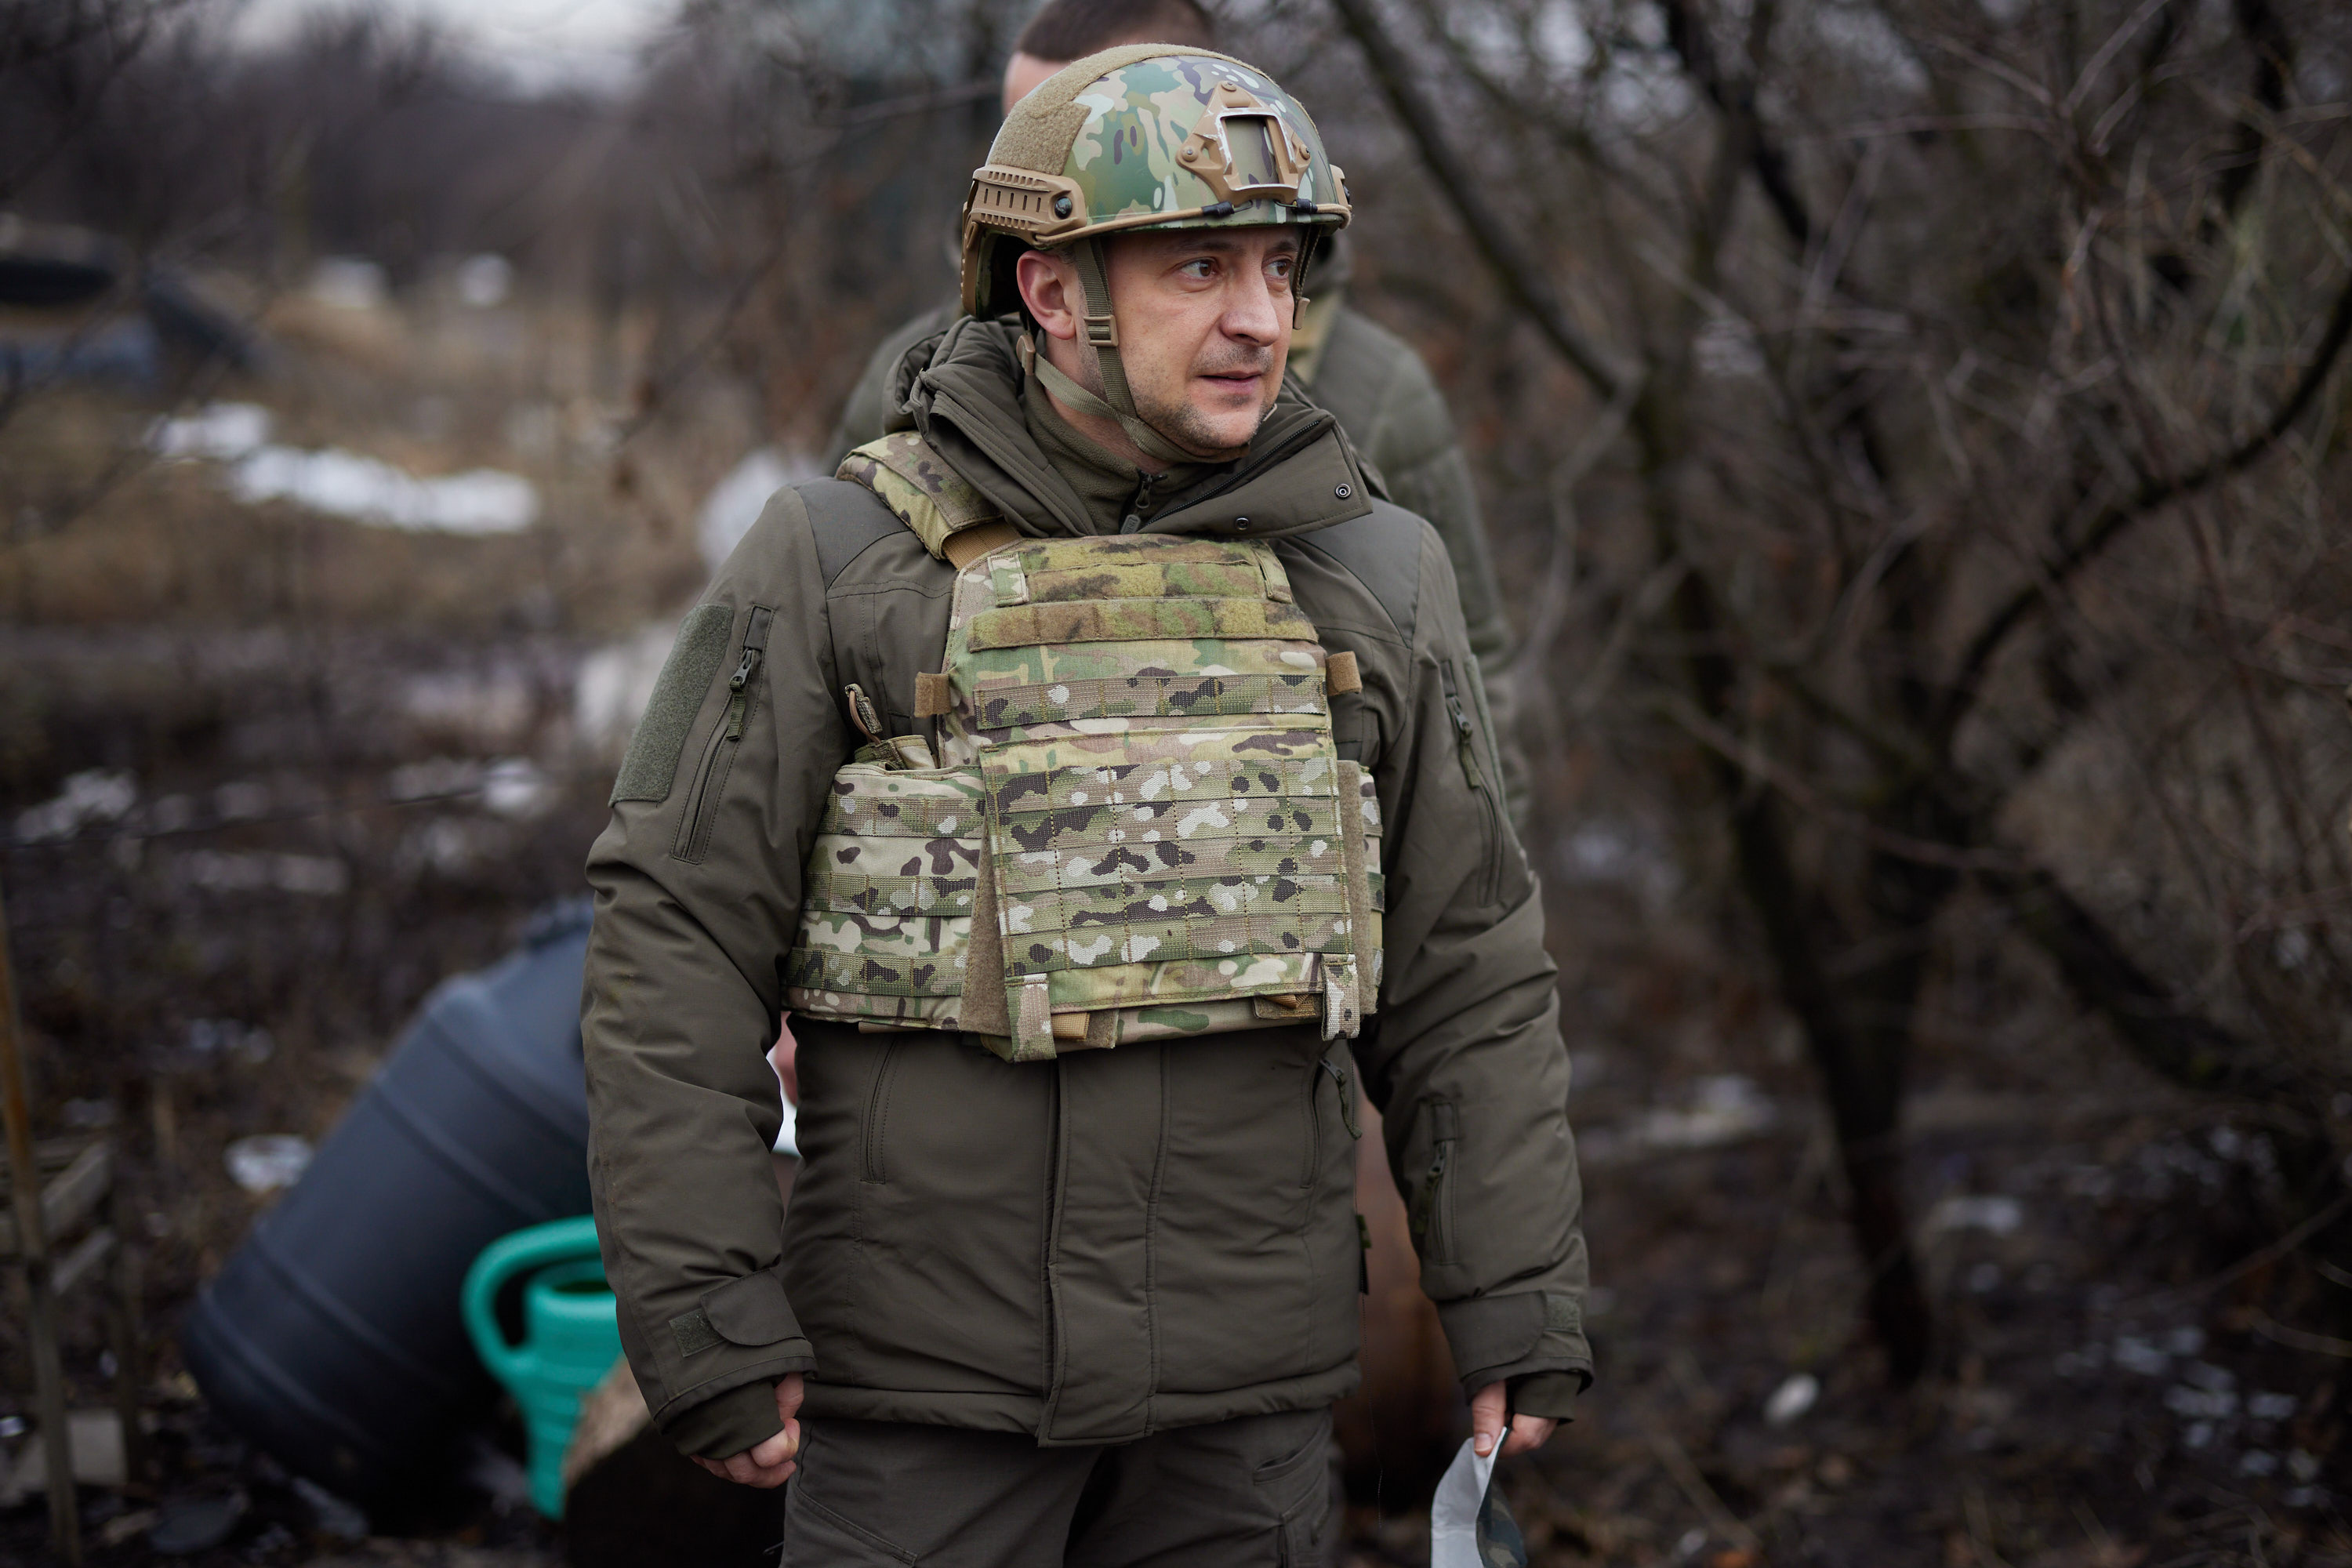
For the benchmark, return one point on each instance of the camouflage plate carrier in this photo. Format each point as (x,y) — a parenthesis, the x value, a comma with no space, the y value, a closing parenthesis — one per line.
(1130,820)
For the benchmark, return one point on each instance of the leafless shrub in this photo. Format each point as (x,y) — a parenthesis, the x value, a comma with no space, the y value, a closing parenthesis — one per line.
(1929,410)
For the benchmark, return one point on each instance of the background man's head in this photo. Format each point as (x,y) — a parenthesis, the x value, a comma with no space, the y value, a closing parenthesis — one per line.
(1067,30)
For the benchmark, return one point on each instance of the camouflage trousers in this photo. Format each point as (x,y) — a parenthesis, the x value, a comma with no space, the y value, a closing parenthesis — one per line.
(1257,1491)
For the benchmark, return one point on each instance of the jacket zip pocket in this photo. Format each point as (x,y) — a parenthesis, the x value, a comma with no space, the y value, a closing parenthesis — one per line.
(718,755)
(1314,1126)
(1325,1067)
(1346,1082)
(1432,1209)
(1466,743)
(878,1113)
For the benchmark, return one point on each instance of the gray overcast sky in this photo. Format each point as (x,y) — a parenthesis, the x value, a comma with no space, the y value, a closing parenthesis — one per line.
(543,42)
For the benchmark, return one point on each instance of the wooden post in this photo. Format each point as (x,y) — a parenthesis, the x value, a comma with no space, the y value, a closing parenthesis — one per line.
(123,1327)
(33,1241)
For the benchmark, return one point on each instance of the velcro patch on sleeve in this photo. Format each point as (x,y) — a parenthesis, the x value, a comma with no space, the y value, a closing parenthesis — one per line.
(1340,674)
(651,765)
(694,1331)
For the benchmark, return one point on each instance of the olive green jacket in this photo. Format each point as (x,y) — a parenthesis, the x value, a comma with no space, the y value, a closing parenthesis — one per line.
(1114,1242)
(1383,397)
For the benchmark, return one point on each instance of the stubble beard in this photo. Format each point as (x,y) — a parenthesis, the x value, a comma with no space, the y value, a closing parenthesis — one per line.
(1176,417)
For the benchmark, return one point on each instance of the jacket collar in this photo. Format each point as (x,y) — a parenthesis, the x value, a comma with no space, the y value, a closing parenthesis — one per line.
(962,393)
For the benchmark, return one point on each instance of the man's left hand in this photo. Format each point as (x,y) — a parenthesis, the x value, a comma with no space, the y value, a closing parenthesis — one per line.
(1527,1432)
(770,1463)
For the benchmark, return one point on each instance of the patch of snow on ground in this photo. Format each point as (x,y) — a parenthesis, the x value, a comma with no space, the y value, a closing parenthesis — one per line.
(2000,1216)
(349,284)
(735,502)
(1795,1395)
(226,872)
(345,484)
(1725,1109)
(268,1161)
(614,684)
(98,794)
(221,431)
(485,280)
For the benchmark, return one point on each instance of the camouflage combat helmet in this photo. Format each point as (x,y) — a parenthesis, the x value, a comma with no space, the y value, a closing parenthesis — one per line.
(1143,136)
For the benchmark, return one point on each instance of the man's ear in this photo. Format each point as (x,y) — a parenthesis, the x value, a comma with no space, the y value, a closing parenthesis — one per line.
(1049,288)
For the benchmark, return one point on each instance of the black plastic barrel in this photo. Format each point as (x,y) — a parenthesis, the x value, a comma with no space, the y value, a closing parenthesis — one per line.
(332,1338)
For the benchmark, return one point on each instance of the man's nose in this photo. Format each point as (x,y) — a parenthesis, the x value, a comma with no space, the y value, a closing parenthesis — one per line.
(1251,313)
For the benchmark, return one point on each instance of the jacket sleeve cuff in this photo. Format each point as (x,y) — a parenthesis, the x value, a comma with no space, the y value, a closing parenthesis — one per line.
(727,1423)
(741,1337)
(1517,1336)
(1551,1395)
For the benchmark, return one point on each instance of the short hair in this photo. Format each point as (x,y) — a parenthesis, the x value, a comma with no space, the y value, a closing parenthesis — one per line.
(1073,30)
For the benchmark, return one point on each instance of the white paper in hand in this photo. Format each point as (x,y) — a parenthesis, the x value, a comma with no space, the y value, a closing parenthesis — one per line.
(1454,1512)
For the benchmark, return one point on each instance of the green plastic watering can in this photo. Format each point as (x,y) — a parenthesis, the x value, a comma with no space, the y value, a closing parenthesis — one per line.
(571,1336)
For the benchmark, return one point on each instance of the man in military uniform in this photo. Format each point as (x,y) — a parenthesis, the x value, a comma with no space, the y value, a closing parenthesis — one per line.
(1371,380)
(1097,771)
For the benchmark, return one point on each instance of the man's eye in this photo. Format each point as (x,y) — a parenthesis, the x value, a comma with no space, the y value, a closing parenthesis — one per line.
(1200,268)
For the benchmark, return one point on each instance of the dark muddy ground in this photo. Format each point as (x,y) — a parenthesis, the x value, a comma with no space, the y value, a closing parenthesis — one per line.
(241,847)
(193,971)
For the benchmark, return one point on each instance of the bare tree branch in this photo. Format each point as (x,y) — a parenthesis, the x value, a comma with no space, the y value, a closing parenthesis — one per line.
(1460,185)
(2190,1049)
(2152,494)
(1687,34)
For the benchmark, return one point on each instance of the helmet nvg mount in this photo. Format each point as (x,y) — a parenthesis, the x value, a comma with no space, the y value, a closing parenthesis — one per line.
(1145,136)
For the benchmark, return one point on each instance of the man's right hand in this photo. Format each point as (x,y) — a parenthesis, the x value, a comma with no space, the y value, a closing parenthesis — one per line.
(768,1463)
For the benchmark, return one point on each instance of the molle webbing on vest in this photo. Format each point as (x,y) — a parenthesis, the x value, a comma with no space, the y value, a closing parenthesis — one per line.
(1142,827)
(1152,859)
(891,885)
(928,496)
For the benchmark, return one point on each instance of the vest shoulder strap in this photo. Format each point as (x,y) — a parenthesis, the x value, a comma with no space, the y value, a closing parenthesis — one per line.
(953,520)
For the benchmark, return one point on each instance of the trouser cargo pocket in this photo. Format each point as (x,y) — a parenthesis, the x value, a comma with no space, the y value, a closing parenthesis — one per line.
(1297,1487)
(816,1537)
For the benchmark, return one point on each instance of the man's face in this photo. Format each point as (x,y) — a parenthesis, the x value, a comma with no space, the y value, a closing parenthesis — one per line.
(1205,328)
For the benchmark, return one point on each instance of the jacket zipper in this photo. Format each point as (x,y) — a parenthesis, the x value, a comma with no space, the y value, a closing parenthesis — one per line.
(1433,1216)
(1466,740)
(719,757)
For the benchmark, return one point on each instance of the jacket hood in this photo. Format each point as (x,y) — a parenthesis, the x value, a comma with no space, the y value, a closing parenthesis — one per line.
(961,391)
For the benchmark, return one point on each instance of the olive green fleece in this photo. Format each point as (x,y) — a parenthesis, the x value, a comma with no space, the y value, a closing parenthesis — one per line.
(1106,483)
(1116,1242)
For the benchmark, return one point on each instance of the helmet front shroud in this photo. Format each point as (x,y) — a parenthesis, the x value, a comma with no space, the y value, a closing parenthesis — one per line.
(1145,136)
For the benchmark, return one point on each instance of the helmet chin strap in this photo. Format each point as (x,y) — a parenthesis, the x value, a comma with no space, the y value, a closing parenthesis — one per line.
(1099,335)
